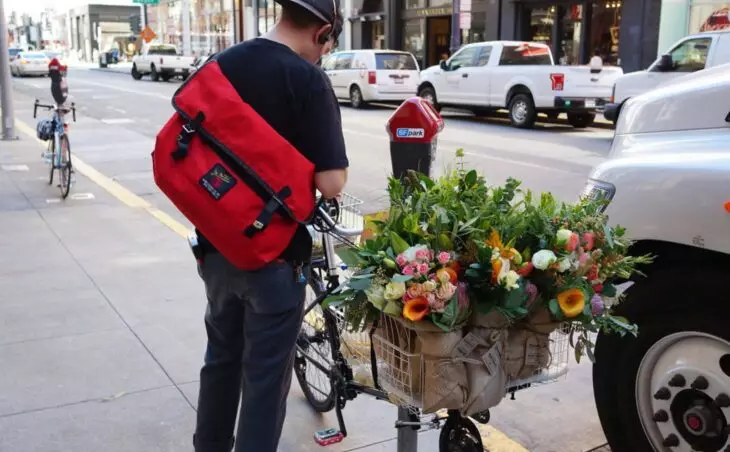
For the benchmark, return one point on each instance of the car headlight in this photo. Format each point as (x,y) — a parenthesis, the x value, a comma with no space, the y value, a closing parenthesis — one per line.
(596,190)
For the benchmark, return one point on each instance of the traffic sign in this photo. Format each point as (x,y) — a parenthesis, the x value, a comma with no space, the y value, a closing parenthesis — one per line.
(147,2)
(147,34)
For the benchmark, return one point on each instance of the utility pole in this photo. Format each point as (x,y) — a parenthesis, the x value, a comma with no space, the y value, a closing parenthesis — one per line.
(6,99)
(144,14)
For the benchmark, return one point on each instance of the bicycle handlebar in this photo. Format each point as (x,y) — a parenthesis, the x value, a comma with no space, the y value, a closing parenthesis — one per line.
(37,104)
(338,229)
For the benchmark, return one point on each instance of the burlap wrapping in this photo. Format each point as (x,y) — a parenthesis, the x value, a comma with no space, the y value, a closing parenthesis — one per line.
(528,345)
(420,363)
(487,379)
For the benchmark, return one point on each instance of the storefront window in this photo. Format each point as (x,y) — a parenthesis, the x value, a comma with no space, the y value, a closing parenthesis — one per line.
(212,26)
(477,31)
(413,39)
(415,4)
(435,3)
(541,25)
(269,12)
(378,34)
(605,25)
(571,17)
(709,16)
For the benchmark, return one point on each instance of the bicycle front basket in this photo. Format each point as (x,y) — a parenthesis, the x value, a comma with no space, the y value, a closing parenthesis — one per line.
(44,129)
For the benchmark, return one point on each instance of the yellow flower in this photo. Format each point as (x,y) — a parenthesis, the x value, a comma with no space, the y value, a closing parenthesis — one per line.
(429,286)
(572,302)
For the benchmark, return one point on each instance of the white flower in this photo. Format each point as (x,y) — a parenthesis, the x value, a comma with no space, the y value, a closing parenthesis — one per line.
(564,264)
(543,259)
(394,290)
(562,236)
(495,254)
(410,253)
(510,280)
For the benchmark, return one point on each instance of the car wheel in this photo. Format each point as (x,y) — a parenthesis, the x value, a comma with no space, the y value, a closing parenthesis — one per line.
(356,98)
(669,387)
(135,73)
(429,94)
(581,120)
(165,77)
(154,74)
(522,113)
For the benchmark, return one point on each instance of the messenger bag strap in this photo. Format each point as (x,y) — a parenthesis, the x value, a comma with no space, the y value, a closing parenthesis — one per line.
(186,136)
(274,204)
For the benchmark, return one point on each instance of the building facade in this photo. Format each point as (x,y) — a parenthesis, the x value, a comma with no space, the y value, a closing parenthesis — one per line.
(96,28)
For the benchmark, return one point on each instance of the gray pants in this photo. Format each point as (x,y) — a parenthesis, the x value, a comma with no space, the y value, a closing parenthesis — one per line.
(252,321)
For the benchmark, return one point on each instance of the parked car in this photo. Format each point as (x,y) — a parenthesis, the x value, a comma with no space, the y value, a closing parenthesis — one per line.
(364,76)
(521,77)
(689,54)
(199,62)
(666,181)
(161,61)
(30,63)
(13,52)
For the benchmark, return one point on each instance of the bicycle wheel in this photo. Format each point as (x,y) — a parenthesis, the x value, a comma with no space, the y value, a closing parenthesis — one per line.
(52,164)
(316,344)
(66,168)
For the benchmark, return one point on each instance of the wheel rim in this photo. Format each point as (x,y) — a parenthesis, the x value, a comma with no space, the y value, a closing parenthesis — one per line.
(429,97)
(683,394)
(355,97)
(65,169)
(519,111)
(313,338)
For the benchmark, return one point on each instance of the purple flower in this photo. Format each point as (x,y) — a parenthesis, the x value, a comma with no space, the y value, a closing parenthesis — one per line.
(597,305)
(531,291)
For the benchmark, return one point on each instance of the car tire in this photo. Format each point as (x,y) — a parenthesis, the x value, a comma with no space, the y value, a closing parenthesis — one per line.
(522,113)
(668,306)
(135,73)
(356,100)
(581,120)
(154,74)
(429,94)
(165,77)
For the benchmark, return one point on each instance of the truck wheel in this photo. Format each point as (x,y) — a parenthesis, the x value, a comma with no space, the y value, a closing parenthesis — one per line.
(668,388)
(165,77)
(135,73)
(430,95)
(154,74)
(581,120)
(522,113)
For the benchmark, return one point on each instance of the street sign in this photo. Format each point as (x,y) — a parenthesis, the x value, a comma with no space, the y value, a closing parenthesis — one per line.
(147,34)
(147,2)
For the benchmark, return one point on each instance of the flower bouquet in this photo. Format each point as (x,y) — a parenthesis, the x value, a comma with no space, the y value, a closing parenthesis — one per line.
(463,272)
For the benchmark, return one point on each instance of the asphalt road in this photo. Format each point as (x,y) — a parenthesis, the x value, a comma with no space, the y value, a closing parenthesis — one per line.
(119,119)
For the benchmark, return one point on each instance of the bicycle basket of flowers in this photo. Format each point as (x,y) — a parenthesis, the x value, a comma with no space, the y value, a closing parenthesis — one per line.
(472,289)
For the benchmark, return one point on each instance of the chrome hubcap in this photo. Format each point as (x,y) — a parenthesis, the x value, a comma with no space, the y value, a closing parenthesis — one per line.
(429,98)
(355,97)
(519,111)
(683,393)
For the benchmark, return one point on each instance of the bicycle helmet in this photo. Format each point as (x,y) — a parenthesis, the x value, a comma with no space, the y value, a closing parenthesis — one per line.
(326,10)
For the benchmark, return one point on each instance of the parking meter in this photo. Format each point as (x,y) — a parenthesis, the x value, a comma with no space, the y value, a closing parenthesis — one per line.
(59,88)
(413,130)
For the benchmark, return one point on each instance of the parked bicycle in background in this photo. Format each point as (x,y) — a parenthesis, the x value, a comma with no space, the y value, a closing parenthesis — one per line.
(54,130)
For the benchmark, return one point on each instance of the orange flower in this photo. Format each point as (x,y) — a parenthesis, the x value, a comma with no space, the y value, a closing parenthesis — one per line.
(572,302)
(416,309)
(495,241)
(496,268)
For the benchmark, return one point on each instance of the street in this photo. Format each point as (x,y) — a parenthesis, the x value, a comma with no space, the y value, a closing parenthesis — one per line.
(118,119)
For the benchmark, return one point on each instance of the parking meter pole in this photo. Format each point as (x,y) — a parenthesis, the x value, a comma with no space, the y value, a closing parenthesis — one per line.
(413,130)
(6,99)
(407,436)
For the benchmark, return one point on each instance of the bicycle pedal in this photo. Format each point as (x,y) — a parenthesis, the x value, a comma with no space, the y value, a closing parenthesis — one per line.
(328,437)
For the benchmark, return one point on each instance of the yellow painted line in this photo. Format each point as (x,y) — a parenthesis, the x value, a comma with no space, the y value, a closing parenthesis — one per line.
(113,187)
(493,439)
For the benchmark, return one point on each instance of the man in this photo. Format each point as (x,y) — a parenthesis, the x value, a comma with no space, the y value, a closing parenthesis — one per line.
(253,318)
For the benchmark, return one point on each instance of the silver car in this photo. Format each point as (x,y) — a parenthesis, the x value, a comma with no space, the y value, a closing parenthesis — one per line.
(30,63)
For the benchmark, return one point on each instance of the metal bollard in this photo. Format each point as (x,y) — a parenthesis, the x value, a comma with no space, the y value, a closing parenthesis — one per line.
(413,130)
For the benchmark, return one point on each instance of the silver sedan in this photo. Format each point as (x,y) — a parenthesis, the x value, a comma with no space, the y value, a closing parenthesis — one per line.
(30,63)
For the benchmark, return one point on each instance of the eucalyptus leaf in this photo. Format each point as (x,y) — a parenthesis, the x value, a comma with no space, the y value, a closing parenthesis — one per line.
(401,278)
(360,284)
(609,235)
(350,257)
(554,307)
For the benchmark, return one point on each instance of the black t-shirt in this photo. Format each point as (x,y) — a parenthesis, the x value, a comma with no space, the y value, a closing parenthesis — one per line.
(296,98)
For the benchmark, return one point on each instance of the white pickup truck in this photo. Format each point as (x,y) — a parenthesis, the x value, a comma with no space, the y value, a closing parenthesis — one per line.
(521,77)
(161,61)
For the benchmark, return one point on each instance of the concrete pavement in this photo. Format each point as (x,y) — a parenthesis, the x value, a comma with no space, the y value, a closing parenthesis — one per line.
(134,302)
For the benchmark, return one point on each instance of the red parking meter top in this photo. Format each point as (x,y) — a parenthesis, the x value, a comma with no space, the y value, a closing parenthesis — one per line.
(415,121)
(56,65)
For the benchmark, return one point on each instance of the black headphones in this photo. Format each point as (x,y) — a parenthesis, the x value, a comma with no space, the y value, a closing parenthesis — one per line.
(336,25)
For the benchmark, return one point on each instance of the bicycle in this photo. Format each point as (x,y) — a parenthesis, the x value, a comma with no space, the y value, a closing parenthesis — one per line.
(325,327)
(58,155)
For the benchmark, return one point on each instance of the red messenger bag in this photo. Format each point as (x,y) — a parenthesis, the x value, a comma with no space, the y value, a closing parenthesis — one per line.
(239,182)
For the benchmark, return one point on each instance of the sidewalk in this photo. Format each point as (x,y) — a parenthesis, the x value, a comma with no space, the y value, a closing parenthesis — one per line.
(101,330)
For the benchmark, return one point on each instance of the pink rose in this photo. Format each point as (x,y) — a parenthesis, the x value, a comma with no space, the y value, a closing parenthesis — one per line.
(408,270)
(583,259)
(588,240)
(414,291)
(446,291)
(436,304)
(423,255)
(444,258)
(572,242)
(401,260)
(423,269)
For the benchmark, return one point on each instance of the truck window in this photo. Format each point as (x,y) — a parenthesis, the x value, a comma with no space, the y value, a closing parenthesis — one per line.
(691,55)
(463,58)
(165,51)
(525,55)
(395,61)
(484,53)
